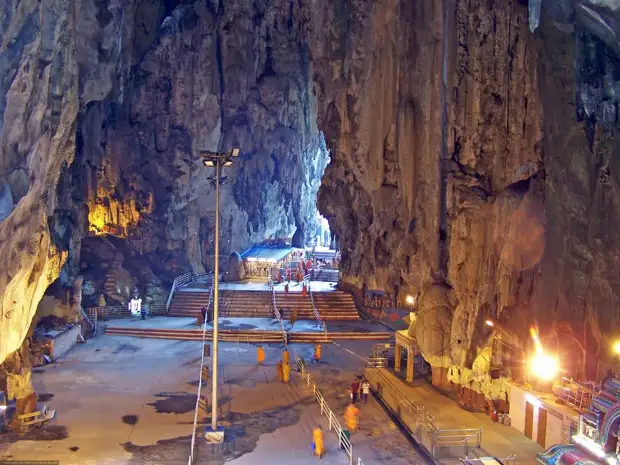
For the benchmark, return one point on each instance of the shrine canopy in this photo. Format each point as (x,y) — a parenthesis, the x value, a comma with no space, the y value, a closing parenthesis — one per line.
(266,254)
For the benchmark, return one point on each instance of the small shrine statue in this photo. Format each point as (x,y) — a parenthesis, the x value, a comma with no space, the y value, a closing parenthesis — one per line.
(135,305)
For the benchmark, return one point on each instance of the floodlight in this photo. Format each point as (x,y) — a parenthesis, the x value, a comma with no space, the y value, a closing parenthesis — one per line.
(235,152)
(209,163)
(228,163)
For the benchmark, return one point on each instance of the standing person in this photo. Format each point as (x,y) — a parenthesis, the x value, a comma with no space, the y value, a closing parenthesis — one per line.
(355,388)
(317,353)
(288,275)
(286,288)
(280,371)
(260,355)
(293,317)
(203,313)
(304,290)
(286,372)
(285,356)
(317,440)
(365,390)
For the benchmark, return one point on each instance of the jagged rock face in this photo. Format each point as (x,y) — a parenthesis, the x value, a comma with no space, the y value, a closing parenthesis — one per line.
(459,158)
(105,107)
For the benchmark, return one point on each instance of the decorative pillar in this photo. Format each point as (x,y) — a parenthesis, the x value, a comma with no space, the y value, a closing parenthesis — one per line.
(409,365)
(397,350)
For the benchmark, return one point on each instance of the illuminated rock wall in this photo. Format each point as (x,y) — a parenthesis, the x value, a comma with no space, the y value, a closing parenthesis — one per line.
(467,156)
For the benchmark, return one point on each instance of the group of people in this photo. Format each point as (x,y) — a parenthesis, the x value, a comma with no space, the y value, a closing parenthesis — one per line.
(360,389)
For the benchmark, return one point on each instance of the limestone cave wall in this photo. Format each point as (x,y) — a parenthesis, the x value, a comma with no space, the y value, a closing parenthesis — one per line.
(473,166)
(104,108)
(472,160)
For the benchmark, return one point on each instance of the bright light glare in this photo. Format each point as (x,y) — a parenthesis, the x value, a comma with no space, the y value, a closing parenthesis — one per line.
(489,323)
(409,299)
(617,347)
(590,445)
(545,366)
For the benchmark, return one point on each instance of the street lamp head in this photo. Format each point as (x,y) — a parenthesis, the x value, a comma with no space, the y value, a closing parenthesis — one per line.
(489,323)
(235,152)
(617,347)
(228,163)
(209,163)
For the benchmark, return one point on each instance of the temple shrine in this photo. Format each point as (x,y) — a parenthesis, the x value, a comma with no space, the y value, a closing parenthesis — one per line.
(596,440)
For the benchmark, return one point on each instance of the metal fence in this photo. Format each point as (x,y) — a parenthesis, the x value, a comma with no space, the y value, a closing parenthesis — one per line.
(343,442)
(419,422)
(119,311)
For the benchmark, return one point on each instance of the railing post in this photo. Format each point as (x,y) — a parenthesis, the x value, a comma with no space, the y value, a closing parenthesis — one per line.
(479,438)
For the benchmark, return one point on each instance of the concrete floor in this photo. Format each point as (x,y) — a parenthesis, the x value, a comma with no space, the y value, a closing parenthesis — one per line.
(270,324)
(126,401)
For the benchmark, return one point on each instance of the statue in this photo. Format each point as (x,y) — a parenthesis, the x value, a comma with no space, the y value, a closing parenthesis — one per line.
(135,305)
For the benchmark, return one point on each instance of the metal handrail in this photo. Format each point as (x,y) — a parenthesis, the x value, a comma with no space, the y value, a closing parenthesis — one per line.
(343,441)
(439,437)
(202,362)
(276,312)
(319,320)
(182,281)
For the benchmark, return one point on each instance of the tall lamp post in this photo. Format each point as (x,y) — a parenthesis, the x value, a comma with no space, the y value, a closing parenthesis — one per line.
(216,160)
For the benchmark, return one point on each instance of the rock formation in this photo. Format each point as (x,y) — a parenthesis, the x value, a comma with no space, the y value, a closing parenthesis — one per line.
(468,153)
(471,159)
(104,109)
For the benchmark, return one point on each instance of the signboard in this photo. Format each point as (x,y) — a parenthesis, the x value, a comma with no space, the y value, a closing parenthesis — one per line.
(135,306)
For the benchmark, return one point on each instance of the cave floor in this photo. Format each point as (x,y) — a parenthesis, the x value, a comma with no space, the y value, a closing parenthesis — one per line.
(130,401)
(268,324)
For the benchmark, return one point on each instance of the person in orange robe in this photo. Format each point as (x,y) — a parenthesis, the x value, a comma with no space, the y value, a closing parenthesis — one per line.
(317,439)
(260,355)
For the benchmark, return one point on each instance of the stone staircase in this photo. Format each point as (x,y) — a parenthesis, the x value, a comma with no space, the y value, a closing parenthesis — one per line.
(295,300)
(233,304)
(329,276)
(331,305)
(335,306)
(109,285)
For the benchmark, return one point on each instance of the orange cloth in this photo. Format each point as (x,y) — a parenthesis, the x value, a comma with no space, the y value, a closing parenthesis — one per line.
(286,372)
(317,438)
(317,352)
(285,357)
(260,355)
(279,370)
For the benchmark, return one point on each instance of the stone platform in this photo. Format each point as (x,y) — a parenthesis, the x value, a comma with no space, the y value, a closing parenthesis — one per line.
(126,401)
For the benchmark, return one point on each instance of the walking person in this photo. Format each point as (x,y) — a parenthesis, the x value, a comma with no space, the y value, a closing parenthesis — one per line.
(365,390)
(317,353)
(203,313)
(355,388)
(351,415)
(317,442)
(260,355)
(292,317)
